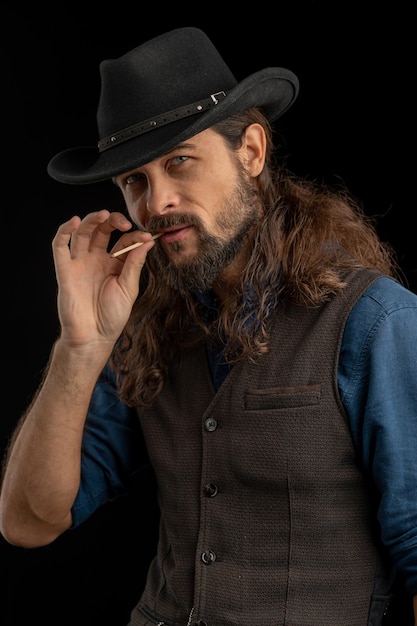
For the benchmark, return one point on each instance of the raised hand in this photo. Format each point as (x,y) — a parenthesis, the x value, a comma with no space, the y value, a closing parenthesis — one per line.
(96,292)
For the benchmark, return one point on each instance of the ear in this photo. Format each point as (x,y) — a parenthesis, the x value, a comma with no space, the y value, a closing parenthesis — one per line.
(254,149)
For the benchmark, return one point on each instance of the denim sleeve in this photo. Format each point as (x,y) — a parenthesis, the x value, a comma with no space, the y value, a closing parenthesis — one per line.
(378,383)
(113,450)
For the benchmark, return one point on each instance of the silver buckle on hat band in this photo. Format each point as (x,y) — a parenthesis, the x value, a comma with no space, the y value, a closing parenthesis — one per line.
(160,120)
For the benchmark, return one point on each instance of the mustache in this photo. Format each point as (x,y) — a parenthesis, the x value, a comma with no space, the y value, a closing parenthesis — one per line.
(165,222)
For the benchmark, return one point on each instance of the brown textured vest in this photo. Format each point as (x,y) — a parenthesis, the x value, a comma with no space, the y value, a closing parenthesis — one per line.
(265,517)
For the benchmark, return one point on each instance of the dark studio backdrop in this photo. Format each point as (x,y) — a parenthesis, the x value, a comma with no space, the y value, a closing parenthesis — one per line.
(352,122)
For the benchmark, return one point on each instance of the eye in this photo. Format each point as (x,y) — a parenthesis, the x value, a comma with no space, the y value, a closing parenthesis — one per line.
(133,178)
(179,159)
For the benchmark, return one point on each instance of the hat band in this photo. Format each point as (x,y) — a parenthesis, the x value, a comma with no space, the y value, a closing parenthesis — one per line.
(160,120)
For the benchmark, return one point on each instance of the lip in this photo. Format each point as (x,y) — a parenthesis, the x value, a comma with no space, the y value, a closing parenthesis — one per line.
(175,234)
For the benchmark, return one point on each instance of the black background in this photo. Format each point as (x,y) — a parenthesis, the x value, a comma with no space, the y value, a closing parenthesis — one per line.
(352,122)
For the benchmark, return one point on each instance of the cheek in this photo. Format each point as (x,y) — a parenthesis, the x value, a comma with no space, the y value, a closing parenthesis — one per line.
(215,187)
(136,210)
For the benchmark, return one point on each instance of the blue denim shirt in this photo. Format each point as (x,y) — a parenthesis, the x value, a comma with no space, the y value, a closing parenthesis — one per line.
(377,379)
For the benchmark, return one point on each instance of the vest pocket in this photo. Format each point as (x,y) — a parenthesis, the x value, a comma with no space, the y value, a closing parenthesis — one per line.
(282,397)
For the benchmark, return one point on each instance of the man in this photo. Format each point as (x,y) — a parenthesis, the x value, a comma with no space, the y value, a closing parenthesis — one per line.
(259,340)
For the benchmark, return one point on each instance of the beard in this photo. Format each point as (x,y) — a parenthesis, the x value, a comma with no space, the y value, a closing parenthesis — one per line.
(238,214)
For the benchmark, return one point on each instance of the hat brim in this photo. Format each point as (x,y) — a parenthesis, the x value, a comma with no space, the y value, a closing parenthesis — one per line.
(273,90)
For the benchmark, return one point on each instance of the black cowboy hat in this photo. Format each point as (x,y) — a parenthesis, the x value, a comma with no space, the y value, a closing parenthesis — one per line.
(160,94)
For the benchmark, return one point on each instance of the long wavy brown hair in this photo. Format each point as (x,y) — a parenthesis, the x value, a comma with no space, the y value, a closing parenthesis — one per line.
(309,236)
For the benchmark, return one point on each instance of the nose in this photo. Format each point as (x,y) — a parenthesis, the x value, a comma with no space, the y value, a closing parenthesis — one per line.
(161,195)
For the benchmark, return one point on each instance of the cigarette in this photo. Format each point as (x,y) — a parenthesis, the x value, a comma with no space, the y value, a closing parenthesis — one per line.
(133,246)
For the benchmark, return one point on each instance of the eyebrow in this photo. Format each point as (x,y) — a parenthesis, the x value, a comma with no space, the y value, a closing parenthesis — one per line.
(181,146)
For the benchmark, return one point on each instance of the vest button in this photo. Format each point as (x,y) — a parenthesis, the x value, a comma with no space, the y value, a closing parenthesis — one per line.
(210,490)
(210,425)
(208,557)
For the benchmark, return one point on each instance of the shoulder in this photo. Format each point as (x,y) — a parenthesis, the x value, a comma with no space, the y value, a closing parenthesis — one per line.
(385,300)
(383,317)
(378,350)
(388,294)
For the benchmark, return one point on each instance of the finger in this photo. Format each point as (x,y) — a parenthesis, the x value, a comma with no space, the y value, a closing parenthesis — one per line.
(81,237)
(101,235)
(132,268)
(61,241)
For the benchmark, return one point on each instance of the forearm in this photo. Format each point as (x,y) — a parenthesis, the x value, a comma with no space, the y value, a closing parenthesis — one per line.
(42,470)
